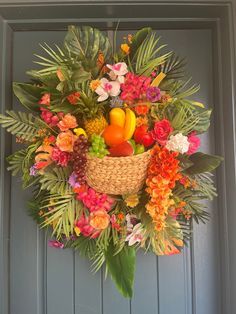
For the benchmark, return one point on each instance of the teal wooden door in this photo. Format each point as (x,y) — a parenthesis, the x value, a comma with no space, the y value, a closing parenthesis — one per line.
(44,280)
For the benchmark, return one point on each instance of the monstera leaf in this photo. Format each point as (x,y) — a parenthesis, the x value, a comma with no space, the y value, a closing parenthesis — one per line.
(28,95)
(121,266)
(85,43)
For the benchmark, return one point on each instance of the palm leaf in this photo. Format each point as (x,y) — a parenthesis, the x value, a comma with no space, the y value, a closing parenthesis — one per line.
(174,68)
(22,124)
(56,180)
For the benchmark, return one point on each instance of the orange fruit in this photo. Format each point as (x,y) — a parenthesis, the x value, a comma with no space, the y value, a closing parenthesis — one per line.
(113,135)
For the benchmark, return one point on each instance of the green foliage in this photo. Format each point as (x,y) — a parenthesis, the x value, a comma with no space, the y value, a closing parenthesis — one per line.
(22,124)
(203,163)
(121,267)
(174,67)
(55,180)
(146,59)
(64,209)
(20,163)
(192,198)
(185,120)
(85,43)
(28,95)
(137,39)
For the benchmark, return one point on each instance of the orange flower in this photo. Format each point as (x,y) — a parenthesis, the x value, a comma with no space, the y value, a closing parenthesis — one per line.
(125,48)
(67,122)
(100,60)
(99,219)
(94,84)
(73,98)
(60,75)
(141,121)
(43,156)
(163,172)
(65,141)
(141,109)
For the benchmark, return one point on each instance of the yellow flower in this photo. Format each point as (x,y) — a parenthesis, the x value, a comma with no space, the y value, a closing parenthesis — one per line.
(94,84)
(125,48)
(79,131)
(131,200)
(77,231)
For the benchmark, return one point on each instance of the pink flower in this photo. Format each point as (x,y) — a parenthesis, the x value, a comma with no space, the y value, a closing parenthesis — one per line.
(49,117)
(134,88)
(194,143)
(45,100)
(162,130)
(60,157)
(95,201)
(106,89)
(56,244)
(86,229)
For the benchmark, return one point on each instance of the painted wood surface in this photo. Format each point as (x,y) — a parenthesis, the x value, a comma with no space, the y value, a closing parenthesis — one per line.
(44,280)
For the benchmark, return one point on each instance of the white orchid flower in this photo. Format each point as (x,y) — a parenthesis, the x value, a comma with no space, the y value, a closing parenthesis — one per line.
(107,88)
(118,71)
(136,236)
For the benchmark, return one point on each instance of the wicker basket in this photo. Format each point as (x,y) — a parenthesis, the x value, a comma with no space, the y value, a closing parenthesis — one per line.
(117,175)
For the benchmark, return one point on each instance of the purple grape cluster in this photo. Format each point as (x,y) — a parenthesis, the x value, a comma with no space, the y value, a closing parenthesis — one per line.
(80,150)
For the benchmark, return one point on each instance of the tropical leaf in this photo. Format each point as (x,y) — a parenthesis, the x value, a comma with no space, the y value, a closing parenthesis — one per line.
(203,163)
(85,43)
(17,161)
(28,95)
(22,124)
(146,56)
(137,39)
(174,67)
(64,209)
(56,180)
(121,266)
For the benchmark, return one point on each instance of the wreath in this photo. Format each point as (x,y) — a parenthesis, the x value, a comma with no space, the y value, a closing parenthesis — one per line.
(109,145)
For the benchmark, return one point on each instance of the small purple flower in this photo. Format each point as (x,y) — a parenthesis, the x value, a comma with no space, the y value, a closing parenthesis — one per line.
(56,244)
(33,171)
(72,181)
(153,94)
(116,102)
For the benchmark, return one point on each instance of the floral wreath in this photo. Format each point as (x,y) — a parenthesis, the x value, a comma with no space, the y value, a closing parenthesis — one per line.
(110,147)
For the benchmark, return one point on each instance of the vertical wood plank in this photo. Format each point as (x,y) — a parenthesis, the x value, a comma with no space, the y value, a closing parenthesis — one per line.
(60,281)
(146,290)
(5,149)
(88,288)
(113,302)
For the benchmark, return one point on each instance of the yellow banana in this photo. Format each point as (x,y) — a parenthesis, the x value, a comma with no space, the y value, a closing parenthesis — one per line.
(117,117)
(130,124)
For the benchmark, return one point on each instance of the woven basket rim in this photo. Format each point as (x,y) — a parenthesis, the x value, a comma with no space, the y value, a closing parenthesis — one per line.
(138,156)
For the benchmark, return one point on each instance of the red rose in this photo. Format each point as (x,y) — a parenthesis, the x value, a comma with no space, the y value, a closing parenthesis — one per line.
(162,130)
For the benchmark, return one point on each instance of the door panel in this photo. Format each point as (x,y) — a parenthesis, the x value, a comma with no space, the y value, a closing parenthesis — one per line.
(46,280)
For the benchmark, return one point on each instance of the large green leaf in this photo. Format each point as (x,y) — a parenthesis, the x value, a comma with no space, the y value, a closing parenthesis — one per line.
(85,43)
(122,268)
(137,39)
(203,163)
(28,95)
